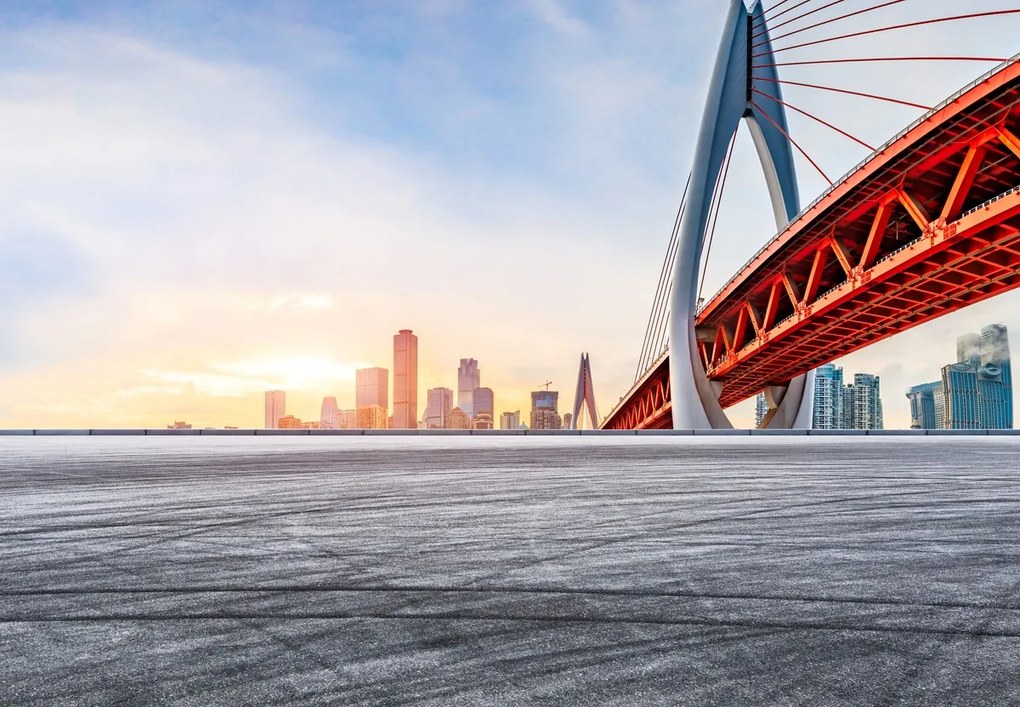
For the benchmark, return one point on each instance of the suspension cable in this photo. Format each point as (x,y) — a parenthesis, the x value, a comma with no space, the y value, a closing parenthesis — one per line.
(792,141)
(716,204)
(830,21)
(662,275)
(814,117)
(764,16)
(989,59)
(890,28)
(846,91)
(661,314)
(773,28)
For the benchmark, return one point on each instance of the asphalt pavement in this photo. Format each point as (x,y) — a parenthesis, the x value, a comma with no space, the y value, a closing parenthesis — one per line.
(476,571)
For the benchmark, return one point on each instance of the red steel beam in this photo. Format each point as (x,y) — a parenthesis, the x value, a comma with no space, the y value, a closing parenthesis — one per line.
(907,250)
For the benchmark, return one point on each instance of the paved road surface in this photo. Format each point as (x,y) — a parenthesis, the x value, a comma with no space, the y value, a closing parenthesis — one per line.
(518,571)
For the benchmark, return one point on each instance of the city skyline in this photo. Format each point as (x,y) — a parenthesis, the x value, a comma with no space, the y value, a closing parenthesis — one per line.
(220,207)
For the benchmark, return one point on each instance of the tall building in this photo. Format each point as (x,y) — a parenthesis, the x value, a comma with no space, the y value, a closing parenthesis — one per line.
(761,409)
(276,407)
(483,402)
(922,406)
(437,408)
(405,380)
(545,410)
(865,406)
(960,405)
(828,403)
(468,378)
(329,414)
(372,397)
(510,420)
(568,418)
(996,371)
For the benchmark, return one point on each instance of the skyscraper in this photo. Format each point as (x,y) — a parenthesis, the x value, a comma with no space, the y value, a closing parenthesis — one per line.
(437,408)
(372,397)
(828,403)
(329,415)
(545,410)
(405,380)
(922,406)
(276,407)
(996,378)
(468,378)
(960,405)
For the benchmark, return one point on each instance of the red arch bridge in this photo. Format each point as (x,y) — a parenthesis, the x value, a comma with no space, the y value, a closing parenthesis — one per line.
(927,224)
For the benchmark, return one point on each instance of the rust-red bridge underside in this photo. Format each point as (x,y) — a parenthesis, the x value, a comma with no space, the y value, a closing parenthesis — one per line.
(928,224)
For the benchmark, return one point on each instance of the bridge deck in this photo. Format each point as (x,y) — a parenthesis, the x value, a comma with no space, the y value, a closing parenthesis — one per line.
(929,224)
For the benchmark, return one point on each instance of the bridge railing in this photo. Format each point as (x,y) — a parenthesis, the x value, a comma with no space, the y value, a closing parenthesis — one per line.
(856,168)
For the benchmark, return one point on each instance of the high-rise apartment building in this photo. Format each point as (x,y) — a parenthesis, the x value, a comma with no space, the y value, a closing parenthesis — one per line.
(276,407)
(372,397)
(405,380)
(761,409)
(437,408)
(865,408)
(468,378)
(510,420)
(329,414)
(828,403)
(922,406)
(545,410)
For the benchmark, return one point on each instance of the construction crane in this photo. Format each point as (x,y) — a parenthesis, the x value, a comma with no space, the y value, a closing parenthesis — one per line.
(546,384)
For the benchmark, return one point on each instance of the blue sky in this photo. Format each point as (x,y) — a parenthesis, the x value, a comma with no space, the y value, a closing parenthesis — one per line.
(205,200)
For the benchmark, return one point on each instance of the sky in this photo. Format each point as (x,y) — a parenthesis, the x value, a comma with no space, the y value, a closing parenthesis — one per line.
(203,201)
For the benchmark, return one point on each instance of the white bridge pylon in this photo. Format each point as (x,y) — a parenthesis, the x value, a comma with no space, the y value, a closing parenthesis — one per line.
(695,399)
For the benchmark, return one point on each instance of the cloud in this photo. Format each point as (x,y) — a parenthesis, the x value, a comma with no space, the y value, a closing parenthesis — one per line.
(552,14)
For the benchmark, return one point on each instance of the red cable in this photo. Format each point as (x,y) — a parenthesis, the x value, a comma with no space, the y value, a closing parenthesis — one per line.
(847,91)
(792,141)
(794,19)
(888,29)
(830,21)
(815,118)
(762,17)
(997,60)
